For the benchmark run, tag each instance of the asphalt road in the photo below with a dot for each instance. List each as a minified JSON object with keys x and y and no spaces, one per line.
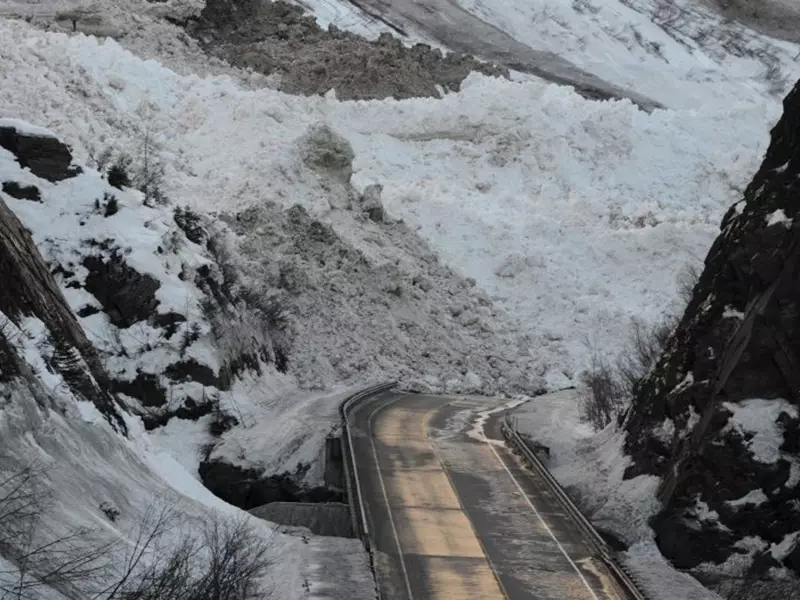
{"x":455,"y":516}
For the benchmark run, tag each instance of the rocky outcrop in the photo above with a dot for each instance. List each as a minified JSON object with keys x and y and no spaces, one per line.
{"x":44,"y":155}
{"x":126,"y":295}
{"x":28,"y":289}
{"x":22,"y":192}
{"x":250,"y":488}
{"x":718,"y":417}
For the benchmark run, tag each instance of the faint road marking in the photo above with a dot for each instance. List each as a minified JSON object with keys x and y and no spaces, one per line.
{"x":385,"y":495}
{"x":426,"y":419}
{"x":536,"y":512}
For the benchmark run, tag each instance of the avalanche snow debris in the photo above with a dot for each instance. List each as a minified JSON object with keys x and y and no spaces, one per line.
{"x":601,"y":169}
{"x":682,"y":53}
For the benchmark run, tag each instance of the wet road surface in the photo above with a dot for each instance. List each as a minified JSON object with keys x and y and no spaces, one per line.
{"x":455,"y":516}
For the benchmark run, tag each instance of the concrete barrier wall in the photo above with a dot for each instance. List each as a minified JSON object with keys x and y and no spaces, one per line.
{"x":328,"y":519}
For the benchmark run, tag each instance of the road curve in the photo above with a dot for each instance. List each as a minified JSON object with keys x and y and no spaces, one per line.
{"x":455,"y":516}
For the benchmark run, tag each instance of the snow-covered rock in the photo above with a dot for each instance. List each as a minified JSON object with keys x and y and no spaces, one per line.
{"x":739,"y":456}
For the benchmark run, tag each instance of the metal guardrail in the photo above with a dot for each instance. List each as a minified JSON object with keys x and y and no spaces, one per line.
{"x":619,"y":571}
{"x":355,"y":497}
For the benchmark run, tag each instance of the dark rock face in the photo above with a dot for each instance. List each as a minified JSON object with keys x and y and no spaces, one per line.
{"x":127,"y":296}
{"x":22,"y":192}
{"x":28,"y":288}
{"x":191,"y":370}
{"x":46,"y":157}
{"x":739,"y":339}
{"x":248,"y":488}
{"x":145,"y":387}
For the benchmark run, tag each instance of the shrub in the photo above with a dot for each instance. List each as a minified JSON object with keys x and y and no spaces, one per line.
{"x":221,"y":420}
{"x":111,"y":205}
{"x":191,"y":223}
{"x":118,"y":173}
{"x":644,"y":349}
{"x":226,"y":560}
{"x":608,"y":387}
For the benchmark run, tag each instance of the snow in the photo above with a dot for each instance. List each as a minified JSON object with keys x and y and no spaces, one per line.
{"x":704,"y":512}
{"x":347,"y":16}
{"x":85,"y":465}
{"x":25,"y":128}
{"x":780,"y":550}
{"x":779,"y":217}
{"x":590,"y":467}
{"x":731,"y":313}
{"x":752,"y":498}
{"x":294,"y":433}
{"x":658,"y":579}
{"x":759,"y":417}
{"x":681,"y":53}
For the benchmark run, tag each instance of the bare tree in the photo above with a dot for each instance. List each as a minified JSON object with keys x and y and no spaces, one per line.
{"x":604,"y":394}
{"x":225,"y":562}
{"x":70,"y":562}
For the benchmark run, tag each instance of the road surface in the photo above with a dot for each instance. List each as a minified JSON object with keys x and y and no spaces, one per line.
{"x":453,"y":513}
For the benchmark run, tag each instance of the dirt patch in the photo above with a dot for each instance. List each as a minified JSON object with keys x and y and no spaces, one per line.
{"x":276,"y":38}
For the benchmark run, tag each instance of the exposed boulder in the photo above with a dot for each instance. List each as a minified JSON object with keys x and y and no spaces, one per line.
{"x":22,"y":192}
{"x":326,"y":151}
{"x":716,"y":418}
{"x":44,"y":154}
{"x":370,"y":202}
{"x":126,"y":295}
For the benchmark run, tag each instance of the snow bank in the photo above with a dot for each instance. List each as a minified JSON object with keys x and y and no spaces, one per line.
{"x":590,"y":466}
{"x":26,"y":128}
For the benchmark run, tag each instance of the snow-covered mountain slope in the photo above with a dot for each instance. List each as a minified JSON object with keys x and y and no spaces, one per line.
{"x":562,"y":194}
{"x":83,"y":486}
{"x":681,"y":53}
